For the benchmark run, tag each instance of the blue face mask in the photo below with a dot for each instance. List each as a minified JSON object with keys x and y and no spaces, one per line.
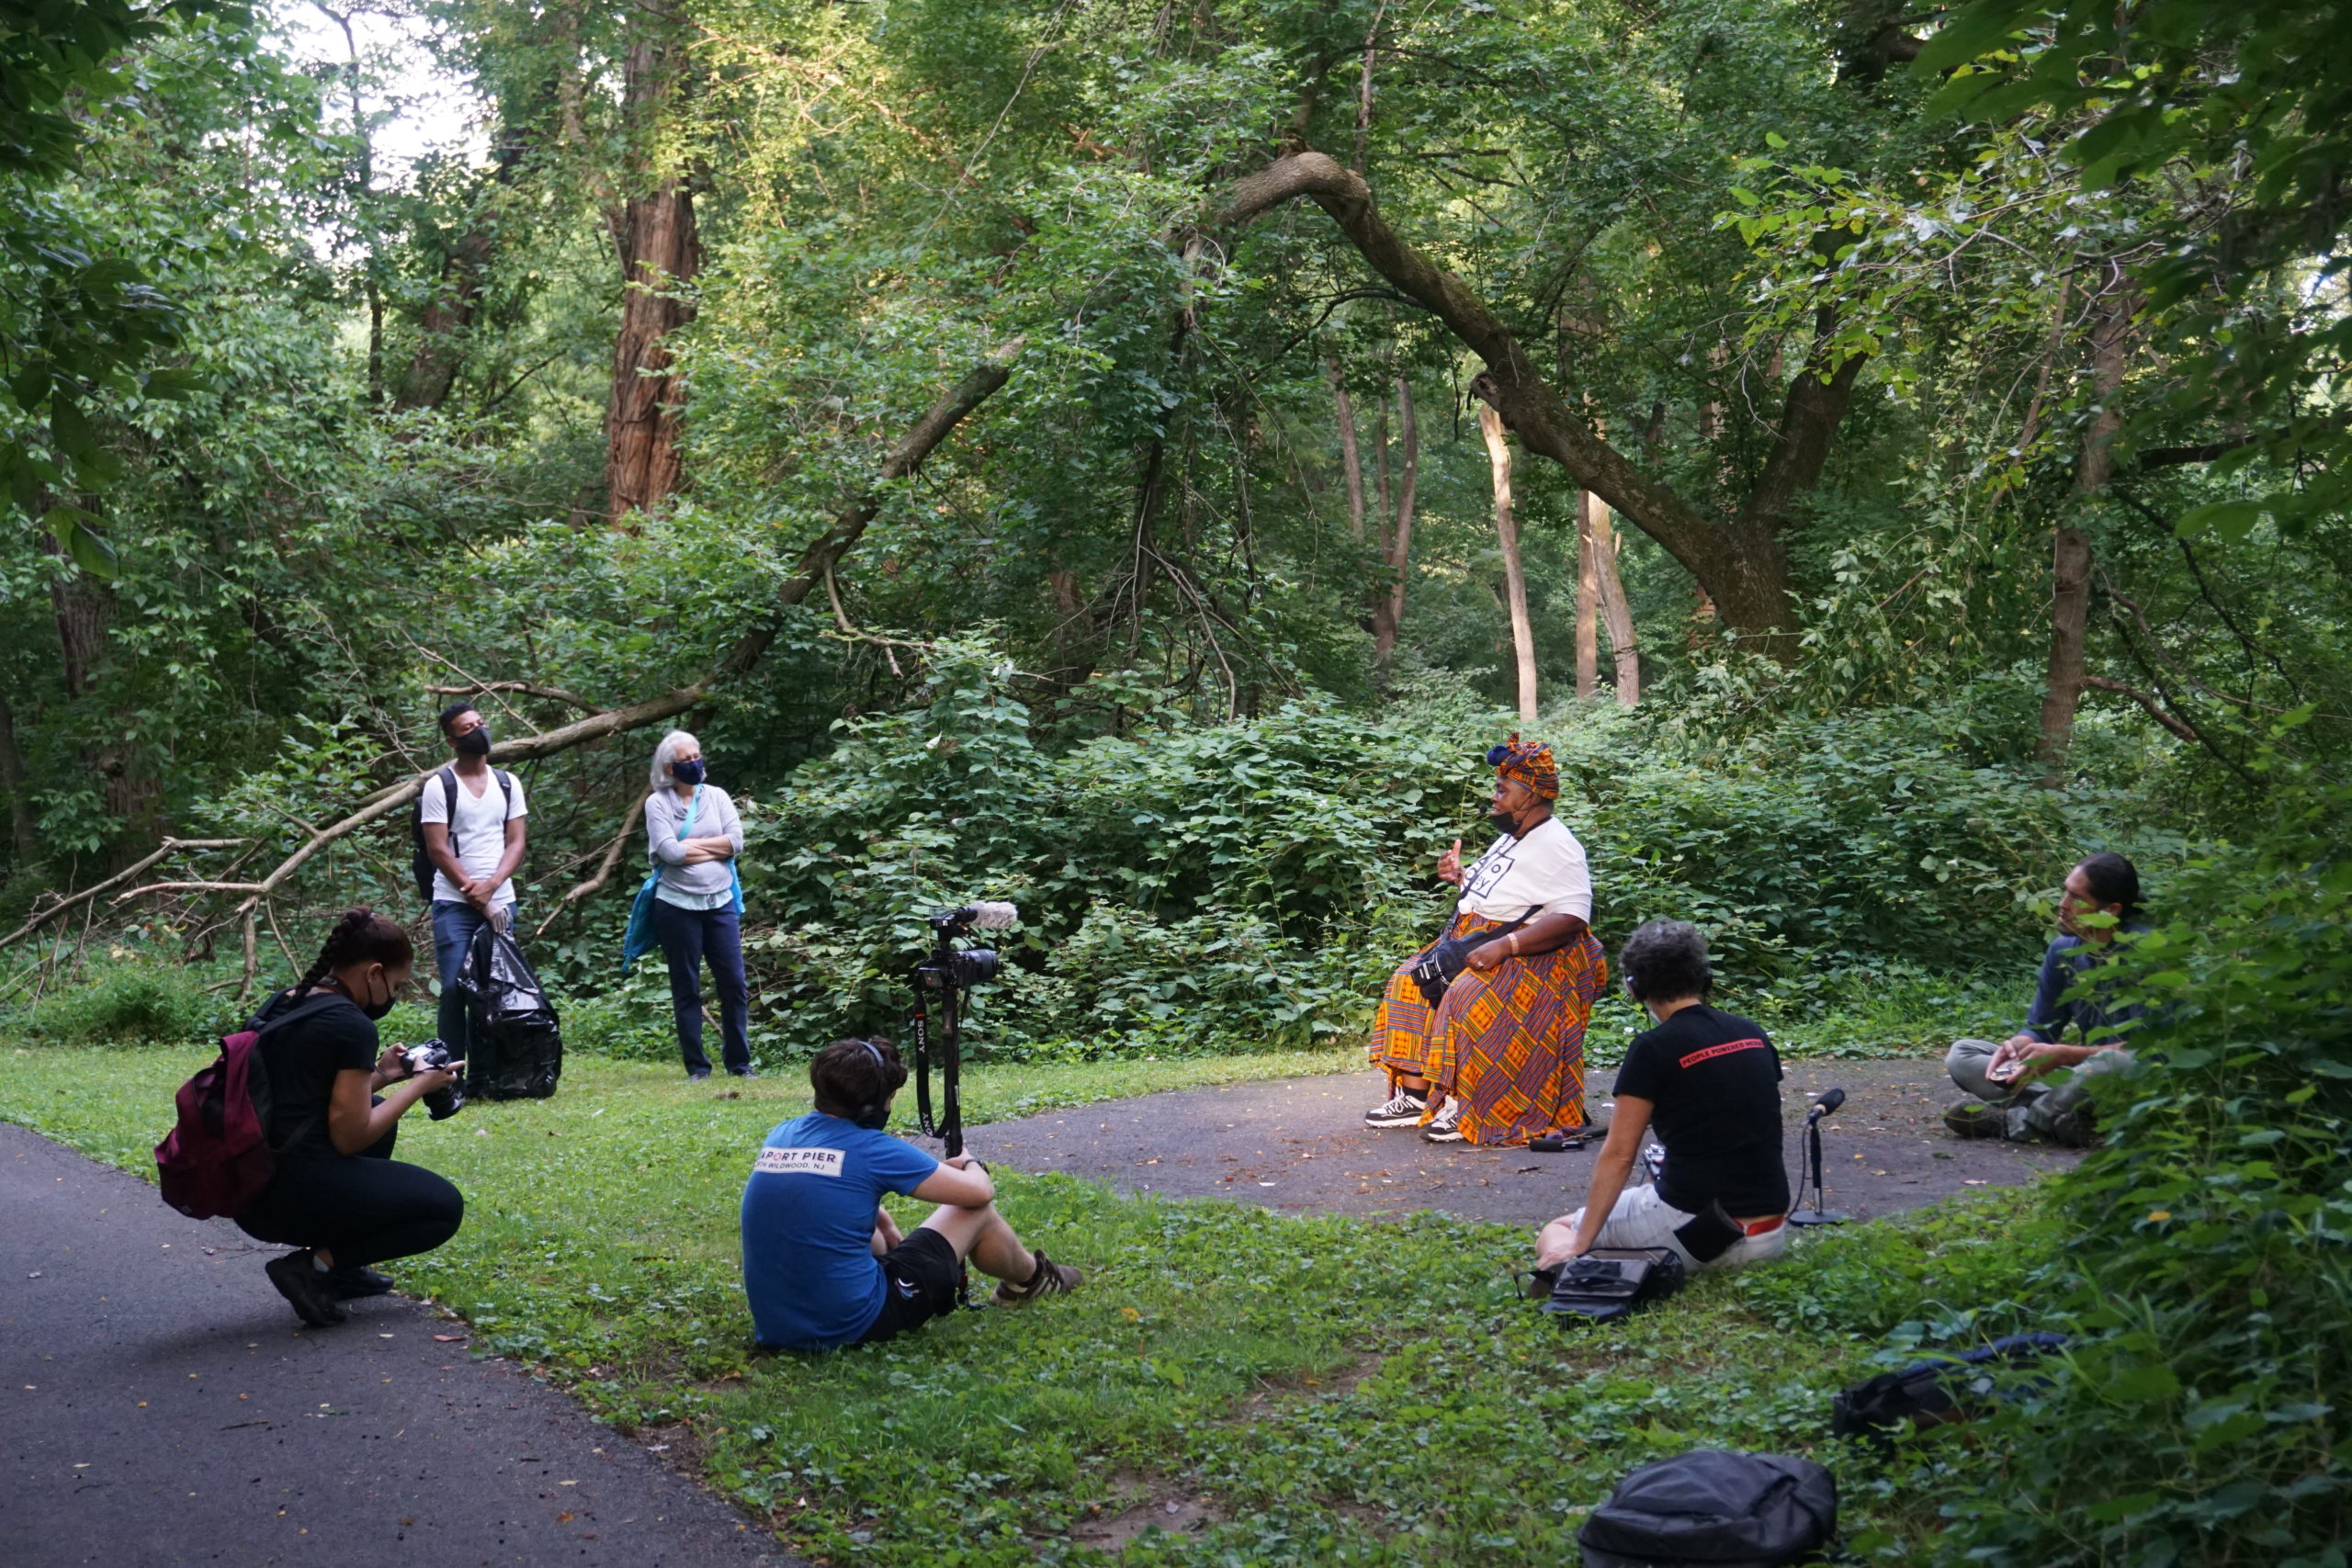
{"x":687,"y":772}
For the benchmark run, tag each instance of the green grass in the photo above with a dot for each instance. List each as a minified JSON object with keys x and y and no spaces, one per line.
{"x":1337,"y":1391}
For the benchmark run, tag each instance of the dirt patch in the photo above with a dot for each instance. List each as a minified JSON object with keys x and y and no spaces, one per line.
{"x":1140,"y":1502}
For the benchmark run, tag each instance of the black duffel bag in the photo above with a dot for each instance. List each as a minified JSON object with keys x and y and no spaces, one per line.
{"x":1725,"y":1510}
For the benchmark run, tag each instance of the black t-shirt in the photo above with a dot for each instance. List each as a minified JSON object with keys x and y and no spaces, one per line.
{"x":1715,"y":1080}
{"x":302,"y":1056}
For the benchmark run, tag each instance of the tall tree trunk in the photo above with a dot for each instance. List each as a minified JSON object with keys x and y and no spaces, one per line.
{"x":1351,"y":455}
{"x":1400,"y":549}
{"x":2070,"y":554}
{"x":1615,"y":614}
{"x":13,"y":778}
{"x":1587,"y":599}
{"x":653,"y":232}
{"x":1522,"y":632}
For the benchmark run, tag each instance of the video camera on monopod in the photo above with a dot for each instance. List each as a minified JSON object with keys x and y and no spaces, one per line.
{"x":940,"y":981}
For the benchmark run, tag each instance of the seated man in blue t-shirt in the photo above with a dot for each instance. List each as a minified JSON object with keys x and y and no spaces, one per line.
{"x":824,"y":1264}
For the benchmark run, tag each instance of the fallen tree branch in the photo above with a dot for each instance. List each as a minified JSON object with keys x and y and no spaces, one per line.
{"x":816,"y":565}
{"x":611,"y":858}
{"x":168,"y":846}
{"x":918,"y":444}
{"x":521,"y":688}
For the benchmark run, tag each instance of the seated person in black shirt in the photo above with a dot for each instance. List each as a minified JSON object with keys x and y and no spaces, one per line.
{"x":337,"y":1194}
{"x":1709,"y":1084}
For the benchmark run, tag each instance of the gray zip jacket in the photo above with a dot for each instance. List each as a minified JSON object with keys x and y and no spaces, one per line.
{"x":695,"y":886}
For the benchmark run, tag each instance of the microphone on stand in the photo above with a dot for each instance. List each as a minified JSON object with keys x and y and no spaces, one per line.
{"x":1829,"y":1101}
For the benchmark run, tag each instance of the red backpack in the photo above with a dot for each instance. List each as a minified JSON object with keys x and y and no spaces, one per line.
{"x":215,"y":1162}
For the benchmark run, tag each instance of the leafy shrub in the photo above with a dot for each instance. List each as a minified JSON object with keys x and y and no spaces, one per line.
{"x":1244,"y":885}
{"x":131,"y":998}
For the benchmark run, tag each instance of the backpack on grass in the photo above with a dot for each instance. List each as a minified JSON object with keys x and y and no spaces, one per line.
{"x":1609,"y":1282}
{"x":1935,"y":1392}
{"x":514,"y":1040}
{"x":1727,"y":1510}
{"x":217,"y":1158}
{"x":420,"y":862}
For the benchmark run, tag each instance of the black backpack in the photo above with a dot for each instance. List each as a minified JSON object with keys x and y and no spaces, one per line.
{"x":513,"y":1043}
{"x":1725,"y":1510}
{"x":1935,"y":1392}
{"x":420,"y":864}
{"x":1609,"y":1282}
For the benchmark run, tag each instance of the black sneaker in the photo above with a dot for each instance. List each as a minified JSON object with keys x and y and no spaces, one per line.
{"x":1976,"y":1118}
{"x":304,"y":1284}
{"x":744,"y":1072}
{"x":1407,"y":1110}
{"x":1050,"y":1279}
{"x":350,"y":1282}
{"x":1446,"y":1127}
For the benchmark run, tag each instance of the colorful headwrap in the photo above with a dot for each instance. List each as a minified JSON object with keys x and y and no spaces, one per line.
{"x":1531,"y":765}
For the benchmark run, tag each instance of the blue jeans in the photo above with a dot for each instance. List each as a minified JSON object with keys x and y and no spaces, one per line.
{"x":454,"y":926}
{"x":688,"y":937}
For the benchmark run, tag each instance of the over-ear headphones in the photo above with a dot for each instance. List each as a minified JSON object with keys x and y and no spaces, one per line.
{"x":875,"y":1114}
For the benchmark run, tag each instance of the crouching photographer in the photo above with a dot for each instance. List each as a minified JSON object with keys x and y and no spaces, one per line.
{"x":824,"y":1265}
{"x":336,"y":1194}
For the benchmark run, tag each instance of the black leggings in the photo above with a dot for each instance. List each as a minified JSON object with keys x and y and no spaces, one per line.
{"x":362,"y":1208}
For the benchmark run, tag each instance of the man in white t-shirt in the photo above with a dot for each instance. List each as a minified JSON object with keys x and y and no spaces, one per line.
{"x":472,"y":816}
{"x":1504,"y":1049}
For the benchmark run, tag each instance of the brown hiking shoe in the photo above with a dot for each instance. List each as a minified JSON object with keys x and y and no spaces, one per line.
{"x":1974,"y":1119}
{"x":1051,"y":1279}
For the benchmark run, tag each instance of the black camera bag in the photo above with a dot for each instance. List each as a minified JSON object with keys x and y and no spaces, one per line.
{"x":1451,"y":956}
{"x":1609,"y":1282}
{"x":1935,"y":1392}
{"x":1727,"y":1510}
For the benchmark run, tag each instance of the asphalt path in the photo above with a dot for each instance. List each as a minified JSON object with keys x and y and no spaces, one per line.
{"x":159,"y":1404}
{"x":1300,"y":1145}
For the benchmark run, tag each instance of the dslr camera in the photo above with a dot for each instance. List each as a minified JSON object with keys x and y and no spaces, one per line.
{"x":940,"y":981}
{"x":442,"y":1103}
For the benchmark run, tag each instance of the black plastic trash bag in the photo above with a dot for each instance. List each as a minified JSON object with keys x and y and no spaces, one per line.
{"x":514,"y":1048}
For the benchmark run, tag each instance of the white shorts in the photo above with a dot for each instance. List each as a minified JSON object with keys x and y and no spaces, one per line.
{"x":1641,"y":1218}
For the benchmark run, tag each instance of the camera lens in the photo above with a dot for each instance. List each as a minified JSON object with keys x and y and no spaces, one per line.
{"x":975,"y":965}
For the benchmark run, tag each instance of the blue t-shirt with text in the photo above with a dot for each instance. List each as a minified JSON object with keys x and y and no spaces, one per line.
{"x":808,"y":1263}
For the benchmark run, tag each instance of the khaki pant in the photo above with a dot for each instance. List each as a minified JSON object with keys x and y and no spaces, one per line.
{"x":2037,"y":1110}
{"x":1641,"y":1218}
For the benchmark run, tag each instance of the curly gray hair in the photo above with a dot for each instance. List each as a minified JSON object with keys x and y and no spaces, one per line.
{"x":664,"y":754}
{"x":1665,"y":960}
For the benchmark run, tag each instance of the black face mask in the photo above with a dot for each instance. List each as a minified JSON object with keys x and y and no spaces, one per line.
{"x":474,"y":742}
{"x":373,"y":1010}
{"x":875,"y":1121}
{"x":1505,"y":822}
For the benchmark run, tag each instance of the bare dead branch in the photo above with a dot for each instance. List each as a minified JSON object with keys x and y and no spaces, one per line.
{"x":605,"y":866}
{"x":169,"y":846}
{"x":522,"y":688}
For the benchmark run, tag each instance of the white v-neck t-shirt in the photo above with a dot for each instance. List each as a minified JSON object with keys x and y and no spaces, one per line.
{"x":1543,"y":869}
{"x":479,"y":829}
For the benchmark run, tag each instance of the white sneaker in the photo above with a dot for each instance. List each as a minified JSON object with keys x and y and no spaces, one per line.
{"x":1446,"y":1127}
{"x":1406,"y":1110}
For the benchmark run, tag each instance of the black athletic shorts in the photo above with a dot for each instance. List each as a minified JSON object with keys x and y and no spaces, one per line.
{"x":921,"y":1277}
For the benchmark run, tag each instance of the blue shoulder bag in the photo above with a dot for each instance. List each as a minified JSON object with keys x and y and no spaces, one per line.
{"x":639,"y":938}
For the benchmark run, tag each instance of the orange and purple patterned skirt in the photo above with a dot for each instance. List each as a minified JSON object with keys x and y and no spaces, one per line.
{"x":1509,"y":1044}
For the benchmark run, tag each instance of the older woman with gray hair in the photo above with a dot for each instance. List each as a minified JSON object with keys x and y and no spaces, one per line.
{"x":1708,"y":1083}
{"x":693,"y":837}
